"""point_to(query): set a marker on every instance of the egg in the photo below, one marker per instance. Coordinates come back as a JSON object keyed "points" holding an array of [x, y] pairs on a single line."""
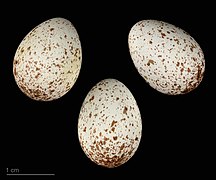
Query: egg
{"points": [[167, 57], [48, 60], [109, 125]]}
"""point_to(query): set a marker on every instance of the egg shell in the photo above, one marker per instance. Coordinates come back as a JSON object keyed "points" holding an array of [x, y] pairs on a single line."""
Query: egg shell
{"points": [[48, 60], [109, 125], [166, 56]]}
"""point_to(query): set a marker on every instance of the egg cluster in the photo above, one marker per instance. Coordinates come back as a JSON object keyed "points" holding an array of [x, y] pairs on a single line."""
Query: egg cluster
{"points": [[47, 64]]}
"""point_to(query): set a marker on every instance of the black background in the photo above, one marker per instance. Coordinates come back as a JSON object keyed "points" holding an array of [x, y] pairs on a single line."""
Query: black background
{"points": [[41, 137]]}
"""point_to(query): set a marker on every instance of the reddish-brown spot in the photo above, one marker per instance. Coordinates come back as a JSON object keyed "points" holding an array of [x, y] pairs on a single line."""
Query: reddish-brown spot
{"points": [[177, 64], [38, 74], [199, 76], [188, 70], [163, 35], [58, 65], [15, 72], [150, 62], [97, 147], [15, 61], [106, 139], [192, 47], [115, 138], [92, 98], [113, 123], [51, 91], [122, 147], [125, 110]]}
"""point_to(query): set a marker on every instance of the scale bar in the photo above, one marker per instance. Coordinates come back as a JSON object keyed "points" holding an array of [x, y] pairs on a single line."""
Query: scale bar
{"points": [[30, 174]]}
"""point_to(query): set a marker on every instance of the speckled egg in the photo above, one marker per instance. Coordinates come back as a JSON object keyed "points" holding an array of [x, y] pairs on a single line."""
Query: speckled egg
{"points": [[109, 125], [166, 56], [48, 60]]}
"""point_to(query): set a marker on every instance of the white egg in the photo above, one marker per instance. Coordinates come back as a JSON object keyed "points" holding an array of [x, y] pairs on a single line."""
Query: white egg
{"points": [[166, 56], [109, 125], [48, 60]]}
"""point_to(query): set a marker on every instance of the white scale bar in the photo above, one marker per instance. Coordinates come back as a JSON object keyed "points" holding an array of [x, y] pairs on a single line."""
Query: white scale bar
{"points": [[30, 174]]}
